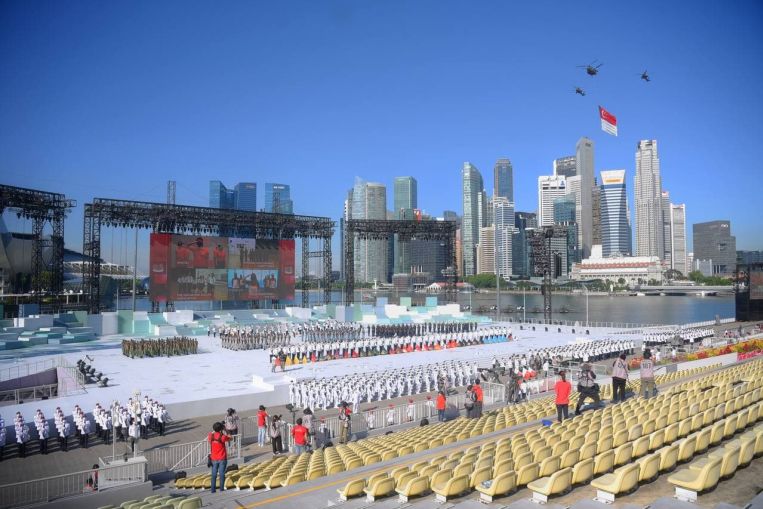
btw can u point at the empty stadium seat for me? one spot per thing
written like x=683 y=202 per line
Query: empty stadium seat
x=381 y=488
x=649 y=467
x=451 y=488
x=558 y=482
x=414 y=487
x=688 y=482
x=623 y=480
x=498 y=486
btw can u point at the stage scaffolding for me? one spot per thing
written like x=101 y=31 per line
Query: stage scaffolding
x=545 y=261
x=380 y=229
x=186 y=219
x=41 y=207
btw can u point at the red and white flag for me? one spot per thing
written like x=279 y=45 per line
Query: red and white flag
x=608 y=122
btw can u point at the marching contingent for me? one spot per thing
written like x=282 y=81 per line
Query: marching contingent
x=684 y=334
x=382 y=385
x=166 y=347
x=372 y=346
x=128 y=423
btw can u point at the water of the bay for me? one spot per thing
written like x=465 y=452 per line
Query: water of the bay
x=601 y=308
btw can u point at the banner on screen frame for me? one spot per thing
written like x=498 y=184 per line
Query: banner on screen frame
x=186 y=267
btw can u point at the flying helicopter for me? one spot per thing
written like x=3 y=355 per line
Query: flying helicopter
x=592 y=69
x=645 y=76
x=580 y=91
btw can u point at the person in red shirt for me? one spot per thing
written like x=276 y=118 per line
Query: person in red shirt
x=182 y=256
x=563 y=388
x=200 y=254
x=219 y=256
x=262 y=426
x=441 y=401
x=300 y=435
x=218 y=454
x=478 y=404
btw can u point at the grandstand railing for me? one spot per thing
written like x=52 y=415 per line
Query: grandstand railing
x=183 y=456
x=68 y=485
x=30 y=368
x=13 y=396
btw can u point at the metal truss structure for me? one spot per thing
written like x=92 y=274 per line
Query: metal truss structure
x=543 y=259
x=41 y=207
x=380 y=229
x=171 y=218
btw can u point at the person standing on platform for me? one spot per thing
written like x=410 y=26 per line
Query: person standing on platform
x=231 y=422
x=133 y=430
x=344 y=423
x=441 y=405
x=218 y=456
x=275 y=435
x=300 y=435
x=619 y=378
x=648 y=386
x=478 y=404
x=44 y=435
x=470 y=398
x=562 y=389
x=262 y=426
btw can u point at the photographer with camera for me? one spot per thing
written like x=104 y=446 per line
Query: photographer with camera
x=587 y=387
x=218 y=456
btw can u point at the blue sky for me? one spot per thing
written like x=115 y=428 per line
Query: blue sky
x=111 y=99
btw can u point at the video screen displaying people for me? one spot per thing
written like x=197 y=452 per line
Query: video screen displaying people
x=187 y=267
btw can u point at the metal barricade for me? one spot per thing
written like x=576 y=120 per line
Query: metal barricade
x=68 y=485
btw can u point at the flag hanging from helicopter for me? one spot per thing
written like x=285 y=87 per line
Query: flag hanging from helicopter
x=608 y=122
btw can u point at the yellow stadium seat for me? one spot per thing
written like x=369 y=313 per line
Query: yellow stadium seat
x=500 y=485
x=479 y=476
x=649 y=467
x=569 y=458
x=689 y=482
x=522 y=460
x=604 y=462
x=623 y=480
x=588 y=451
x=623 y=454
x=452 y=487
x=558 y=482
x=686 y=449
x=381 y=488
x=415 y=487
x=527 y=474
x=548 y=466
x=440 y=477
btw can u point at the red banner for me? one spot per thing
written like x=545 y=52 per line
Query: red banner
x=608 y=122
x=749 y=355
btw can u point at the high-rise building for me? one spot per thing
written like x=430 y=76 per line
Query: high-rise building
x=406 y=193
x=459 y=254
x=584 y=168
x=573 y=190
x=749 y=257
x=678 y=238
x=549 y=188
x=278 y=198
x=520 y=265
x=564 y=209
x=596 y=215
x=565 y=167
x=474 y=202
x=450 y=215
x=615 y=230
x=245 y=196
x=689 y=262
x=346 y=215
x=667 y=236
x=503 y=213
x=713 y=241
x=503 y=179
x=369 y=201
x=486 y=251
x=405 y=201
x=220 y=197
x=648 y=195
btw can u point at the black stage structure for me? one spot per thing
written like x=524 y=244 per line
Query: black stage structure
x=42 y=207
x=172 y=218
x=380 y=229
x=545 y=261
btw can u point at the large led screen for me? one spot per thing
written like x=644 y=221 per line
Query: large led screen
x=187 y=267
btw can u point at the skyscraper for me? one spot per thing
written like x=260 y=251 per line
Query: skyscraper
x=486 y=251
x=615 y=231
x=549 y=188
x=564 y=209
x=503 y=214
x=503 y=179
x=220 y=197
x=678 y=238
x=369 y=201
x=573 y=190
x=245 y=196
x=667 y=235
x=565 y=166
x=713 y=242
x=473 y=202
x=584 y=168
x=648 y=196
x=406 y=194
x=519 y=252
x=405 y=201
x=278 y=199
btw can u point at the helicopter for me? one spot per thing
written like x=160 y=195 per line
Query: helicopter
x=645 y=76
x=580 y=91
x=592 y=69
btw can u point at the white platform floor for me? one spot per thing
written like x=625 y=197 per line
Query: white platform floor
x=216 y=372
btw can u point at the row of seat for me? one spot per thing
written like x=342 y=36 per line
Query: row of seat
x=159 y=502
x=555 y=458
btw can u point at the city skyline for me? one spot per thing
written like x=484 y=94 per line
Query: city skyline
x=119 y=124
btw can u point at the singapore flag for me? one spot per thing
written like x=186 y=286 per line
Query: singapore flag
x=608 y=122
